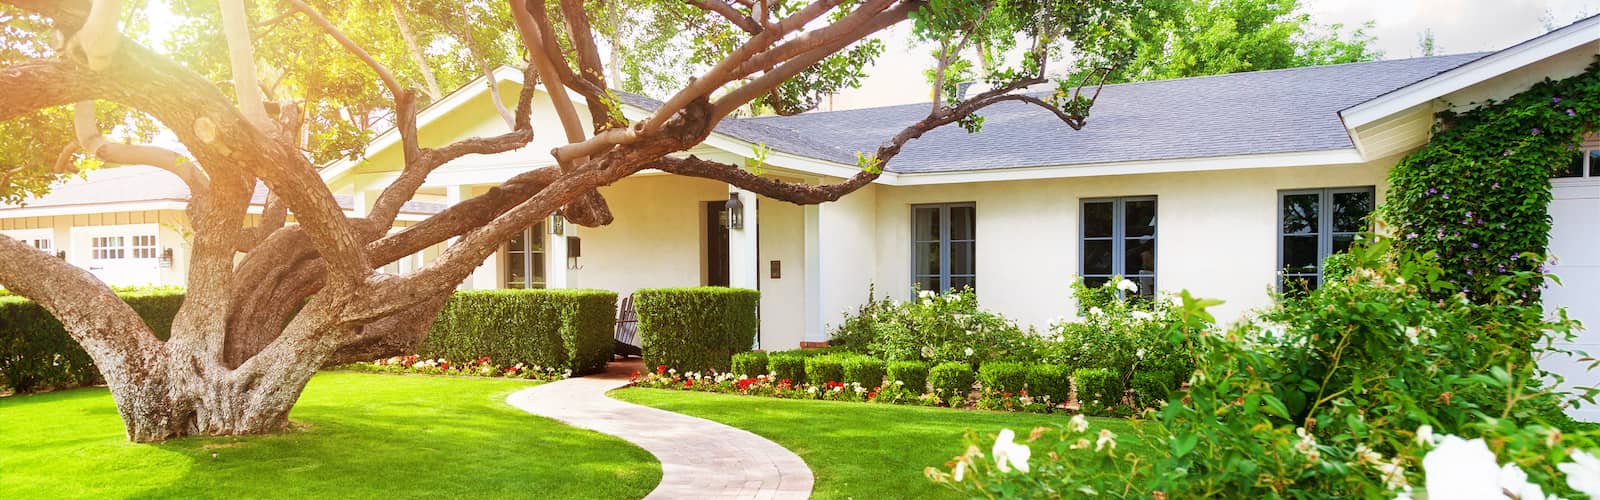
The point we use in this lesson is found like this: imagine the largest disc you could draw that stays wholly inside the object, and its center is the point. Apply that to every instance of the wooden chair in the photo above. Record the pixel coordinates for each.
(627, 336)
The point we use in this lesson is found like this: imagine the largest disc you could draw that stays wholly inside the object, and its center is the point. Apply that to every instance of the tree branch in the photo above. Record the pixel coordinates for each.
(545, 53)
(732, 14)
(405, 101)
(415, 173)
(242, 60)
(801, 194)
(92, 143)
(591, 71)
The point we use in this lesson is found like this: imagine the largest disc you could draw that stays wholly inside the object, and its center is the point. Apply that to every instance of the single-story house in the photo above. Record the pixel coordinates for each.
(1228, 186)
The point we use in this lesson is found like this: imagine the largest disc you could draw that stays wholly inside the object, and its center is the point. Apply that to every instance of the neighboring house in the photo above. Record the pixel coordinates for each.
(128, 225)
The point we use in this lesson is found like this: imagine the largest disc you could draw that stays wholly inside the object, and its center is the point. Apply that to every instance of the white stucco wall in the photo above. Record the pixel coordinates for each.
(1216, 233)
(658, 237)
(782, 299)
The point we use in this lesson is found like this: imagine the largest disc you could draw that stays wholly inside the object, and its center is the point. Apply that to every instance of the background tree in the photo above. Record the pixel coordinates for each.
(1183, 38)
(270, 303)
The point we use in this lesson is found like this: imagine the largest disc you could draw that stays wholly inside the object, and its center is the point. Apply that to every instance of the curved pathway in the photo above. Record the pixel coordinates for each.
(699, 458)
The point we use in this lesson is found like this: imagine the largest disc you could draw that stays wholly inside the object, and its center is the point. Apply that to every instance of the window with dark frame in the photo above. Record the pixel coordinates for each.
(1583, 161)
(1117, 237)
(944, 246)
(1316, 223)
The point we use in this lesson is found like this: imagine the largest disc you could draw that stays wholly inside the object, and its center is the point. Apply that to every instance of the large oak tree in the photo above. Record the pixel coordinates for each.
(269, 303)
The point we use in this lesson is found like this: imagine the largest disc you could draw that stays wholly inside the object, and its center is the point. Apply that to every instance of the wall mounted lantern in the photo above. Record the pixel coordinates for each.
(166, 258)
(735, 212)
(558, 224)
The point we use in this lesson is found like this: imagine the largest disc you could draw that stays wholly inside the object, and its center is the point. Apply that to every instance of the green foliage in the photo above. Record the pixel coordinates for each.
(935, 328)
(1152, 387)
(570, 329)
(37, 353)
(1003, 377)
(1477, 195)
(1050, 381)
(1326, 395)
(750, 364)
(864, 370)
(787, 366)
(1183, 38)
(1120, 333)
(951, 381)
(912, 375)
(695, 329)
(824, 369)
(1099, 390)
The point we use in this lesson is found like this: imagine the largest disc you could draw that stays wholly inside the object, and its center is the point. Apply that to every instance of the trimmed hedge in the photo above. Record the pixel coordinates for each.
(865, 370)
(37, 353)
(1099, 389)
(750, 364)
(787, 366)
(1052, 381)
(951, 380)
(824, 369)
(1152, 387)
(571, 329)
(696, 329)
(914, 374)
(1001, 377)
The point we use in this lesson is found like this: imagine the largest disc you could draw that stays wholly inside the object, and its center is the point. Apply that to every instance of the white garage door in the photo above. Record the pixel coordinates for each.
(1575, 244)
(124, 255)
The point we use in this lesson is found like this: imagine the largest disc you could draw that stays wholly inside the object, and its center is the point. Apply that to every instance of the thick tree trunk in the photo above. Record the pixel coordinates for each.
(156, 406)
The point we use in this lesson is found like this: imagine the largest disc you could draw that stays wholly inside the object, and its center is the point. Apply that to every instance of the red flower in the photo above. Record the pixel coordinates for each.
(444, 367)
(661, 369)
(786, 382)
(744, 385)
(688, 383)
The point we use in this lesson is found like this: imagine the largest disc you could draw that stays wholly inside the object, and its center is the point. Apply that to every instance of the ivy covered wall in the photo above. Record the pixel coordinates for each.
(1478, 193)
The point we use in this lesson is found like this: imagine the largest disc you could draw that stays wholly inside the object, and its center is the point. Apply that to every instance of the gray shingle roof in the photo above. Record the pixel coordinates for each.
(129, 184)
(1278, 111)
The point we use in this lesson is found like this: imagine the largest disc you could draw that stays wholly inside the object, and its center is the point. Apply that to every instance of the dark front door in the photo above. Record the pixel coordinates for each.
(716, 243)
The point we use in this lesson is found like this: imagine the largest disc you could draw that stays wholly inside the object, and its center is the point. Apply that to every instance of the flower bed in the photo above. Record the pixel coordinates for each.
(481, 367)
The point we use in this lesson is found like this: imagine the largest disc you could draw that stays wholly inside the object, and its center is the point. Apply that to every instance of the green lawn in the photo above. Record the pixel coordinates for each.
(361, 436)
(859, 450)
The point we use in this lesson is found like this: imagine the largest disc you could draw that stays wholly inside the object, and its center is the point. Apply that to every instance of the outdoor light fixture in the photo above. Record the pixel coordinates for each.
(166, 258)
(557, 224)
(735, 212)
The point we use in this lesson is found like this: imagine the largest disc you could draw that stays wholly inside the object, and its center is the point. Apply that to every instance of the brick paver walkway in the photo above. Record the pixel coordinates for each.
(699, 458)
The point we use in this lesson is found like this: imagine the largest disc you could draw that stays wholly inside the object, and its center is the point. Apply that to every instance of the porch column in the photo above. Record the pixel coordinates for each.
(555, 258)
(744, 267)
(813, 302)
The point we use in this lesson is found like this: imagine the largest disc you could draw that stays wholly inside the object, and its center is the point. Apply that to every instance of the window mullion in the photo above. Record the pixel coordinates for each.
(944, 248)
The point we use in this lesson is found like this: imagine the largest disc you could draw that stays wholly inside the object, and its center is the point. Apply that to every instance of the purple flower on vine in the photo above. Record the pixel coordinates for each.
(1507, 153)
(1469, 214)
(1458, 234)
(1411, 236)
(1536, 131)
(1474, 245)
(1446, 196)
(1571, 113)
(1433, 191)
(1469, 272)
(1555, 100)
(1495, 186)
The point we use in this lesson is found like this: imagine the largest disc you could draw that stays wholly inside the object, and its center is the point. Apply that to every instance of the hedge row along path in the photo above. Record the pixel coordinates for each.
(699, 458)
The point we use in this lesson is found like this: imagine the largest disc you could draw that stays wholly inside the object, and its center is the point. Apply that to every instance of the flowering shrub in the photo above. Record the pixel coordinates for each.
(760, 385)
(951, 382)
(1121, 333)
(1338, 394)
(480, 367)
(935, 328)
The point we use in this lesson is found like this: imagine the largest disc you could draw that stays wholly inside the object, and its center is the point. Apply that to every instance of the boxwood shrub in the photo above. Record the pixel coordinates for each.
(569, 329)
(696, 329)
(865, 370)
(1052, 381)
(1099, 389)
(36, 352)
(824, 369)
(787, 365)
(951, 380)
(1151, 387)
(750, 364)
(999, 377)
(914, 374)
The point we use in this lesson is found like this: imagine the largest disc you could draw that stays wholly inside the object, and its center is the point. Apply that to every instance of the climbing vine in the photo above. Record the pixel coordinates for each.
(1478, 193)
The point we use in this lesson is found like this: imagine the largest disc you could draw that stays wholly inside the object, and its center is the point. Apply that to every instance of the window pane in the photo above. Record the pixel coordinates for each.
(516, 272)
(538, 267)
(1095, 281)
(518, 243)
(1594, 163)
(1097, 219)
(962, 260)
(1300, 254)
(1097, 257)
(536, 238)
(926, 224)
(1350, 211)
(928, 283)
(962, 222)
(1300, 213)
(927, 258)
(1140, 257)
(1141, 218)
(959, 282)
(1147, 285)
(1574, 168)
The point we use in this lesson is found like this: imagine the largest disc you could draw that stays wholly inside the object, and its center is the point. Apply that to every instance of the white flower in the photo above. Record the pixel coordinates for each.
(1514, 481)
(1128, 286)
(1107, 439)
(1583, 473)
(1394, 475)
(968, 351)
(1142, 316)
(1425, 435)
(1459, 468)
(961, 470)
(926, 294)
(1078, 423)
(1411, 334)
(1008, 454)
(1094, 311)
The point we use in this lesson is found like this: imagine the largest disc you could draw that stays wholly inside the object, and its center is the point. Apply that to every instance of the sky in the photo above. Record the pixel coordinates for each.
(1459, 26)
